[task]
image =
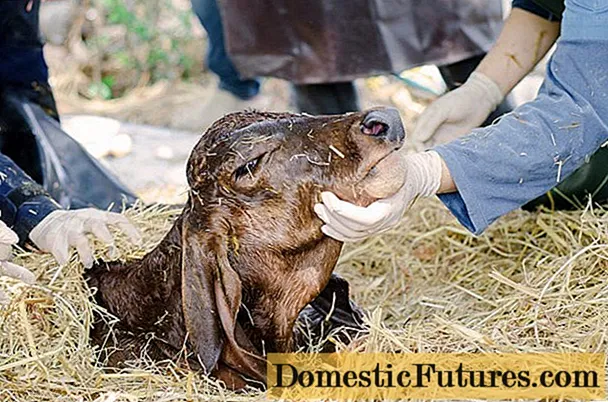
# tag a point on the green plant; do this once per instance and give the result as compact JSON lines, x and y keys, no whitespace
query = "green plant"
{"x":145,"y":40}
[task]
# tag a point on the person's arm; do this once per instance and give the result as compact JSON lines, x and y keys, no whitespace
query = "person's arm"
{"x":499,"y":168}
{"x":522,"y":43}
{"x":529,"y":151}
{"x":23,"y":202}
{"x":32,"y":214}
{"x":525,"y":39}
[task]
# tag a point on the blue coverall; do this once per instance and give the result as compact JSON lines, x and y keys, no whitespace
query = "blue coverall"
{"x":499,"y":168}
{"x":23,"y":202}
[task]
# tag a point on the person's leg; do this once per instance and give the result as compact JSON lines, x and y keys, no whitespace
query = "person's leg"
{"x":456,"y":74}
{"x":23,"y":73}
{"x":332,"y":98}
{"x":22,"y":65}
{"x":218,"y":61}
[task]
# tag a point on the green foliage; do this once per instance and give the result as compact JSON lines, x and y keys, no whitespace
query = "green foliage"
{"x":99,"y":89}
{"x":152,"y":46}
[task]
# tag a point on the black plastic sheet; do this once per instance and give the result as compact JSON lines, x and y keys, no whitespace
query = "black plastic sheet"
{"x":38,"y":145}
{"x":331,"y":314}
{"x":320,"y":41}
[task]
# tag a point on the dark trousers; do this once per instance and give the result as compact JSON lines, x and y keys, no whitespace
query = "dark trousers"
{"x":218,"y":61}
{"x":22,"y":65}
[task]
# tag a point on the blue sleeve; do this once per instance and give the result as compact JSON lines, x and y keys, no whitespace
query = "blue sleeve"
{"x":499,"y":168}
{"x":23,"y":202}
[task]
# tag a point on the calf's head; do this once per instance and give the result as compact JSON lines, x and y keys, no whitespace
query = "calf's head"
{"x":251,"y":252}
{"x":250,"y":235}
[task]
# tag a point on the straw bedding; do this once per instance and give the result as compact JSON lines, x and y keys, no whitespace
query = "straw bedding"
{"x":533,"y":282}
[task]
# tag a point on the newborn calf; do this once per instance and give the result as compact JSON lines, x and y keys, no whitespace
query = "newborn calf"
{"x":228,"y":282}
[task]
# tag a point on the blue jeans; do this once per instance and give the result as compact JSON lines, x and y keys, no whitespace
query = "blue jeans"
{"x":218,"y":61}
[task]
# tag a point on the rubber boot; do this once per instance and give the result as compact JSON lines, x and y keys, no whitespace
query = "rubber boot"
{"x":590,"y":180}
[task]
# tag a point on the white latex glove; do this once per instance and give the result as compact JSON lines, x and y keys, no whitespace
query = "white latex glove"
{"x":61,"y":230}
{"x":8,"y":239}
{"x":348,"y":222}
{"x":458,"y":112}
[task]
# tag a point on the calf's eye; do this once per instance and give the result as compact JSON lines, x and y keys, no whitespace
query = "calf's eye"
{"x":248,"y":168}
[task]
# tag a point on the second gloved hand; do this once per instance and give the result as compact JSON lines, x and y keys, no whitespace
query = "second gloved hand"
{"x":8,"y":239}
{"x":458,"y":112}
{"x":348,"y":222}
{"x":61,"y":230}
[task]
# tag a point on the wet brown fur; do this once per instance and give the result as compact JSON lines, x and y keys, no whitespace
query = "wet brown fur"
{"x":246,"y":255}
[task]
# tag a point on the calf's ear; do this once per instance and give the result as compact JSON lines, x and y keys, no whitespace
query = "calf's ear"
{"x":211,"y":298}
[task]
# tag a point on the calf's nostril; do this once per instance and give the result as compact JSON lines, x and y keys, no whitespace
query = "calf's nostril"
{"x":374,"y":128}
{"x":384,"y":124}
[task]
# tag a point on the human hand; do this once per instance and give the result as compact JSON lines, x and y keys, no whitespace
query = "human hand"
{"x":8,"y":239}
{"x":62,"y":229}
{"x":458,"y":112}
{"x":421,"y":174}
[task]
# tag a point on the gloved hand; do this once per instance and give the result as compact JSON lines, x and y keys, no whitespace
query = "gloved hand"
{"x":8,"y":238}
{"x":458,"y":112}
{"x":61,"y":230}
{"x":348,"y":222}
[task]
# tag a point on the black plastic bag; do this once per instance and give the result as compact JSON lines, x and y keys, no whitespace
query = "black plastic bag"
{"x":38,"y":145}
